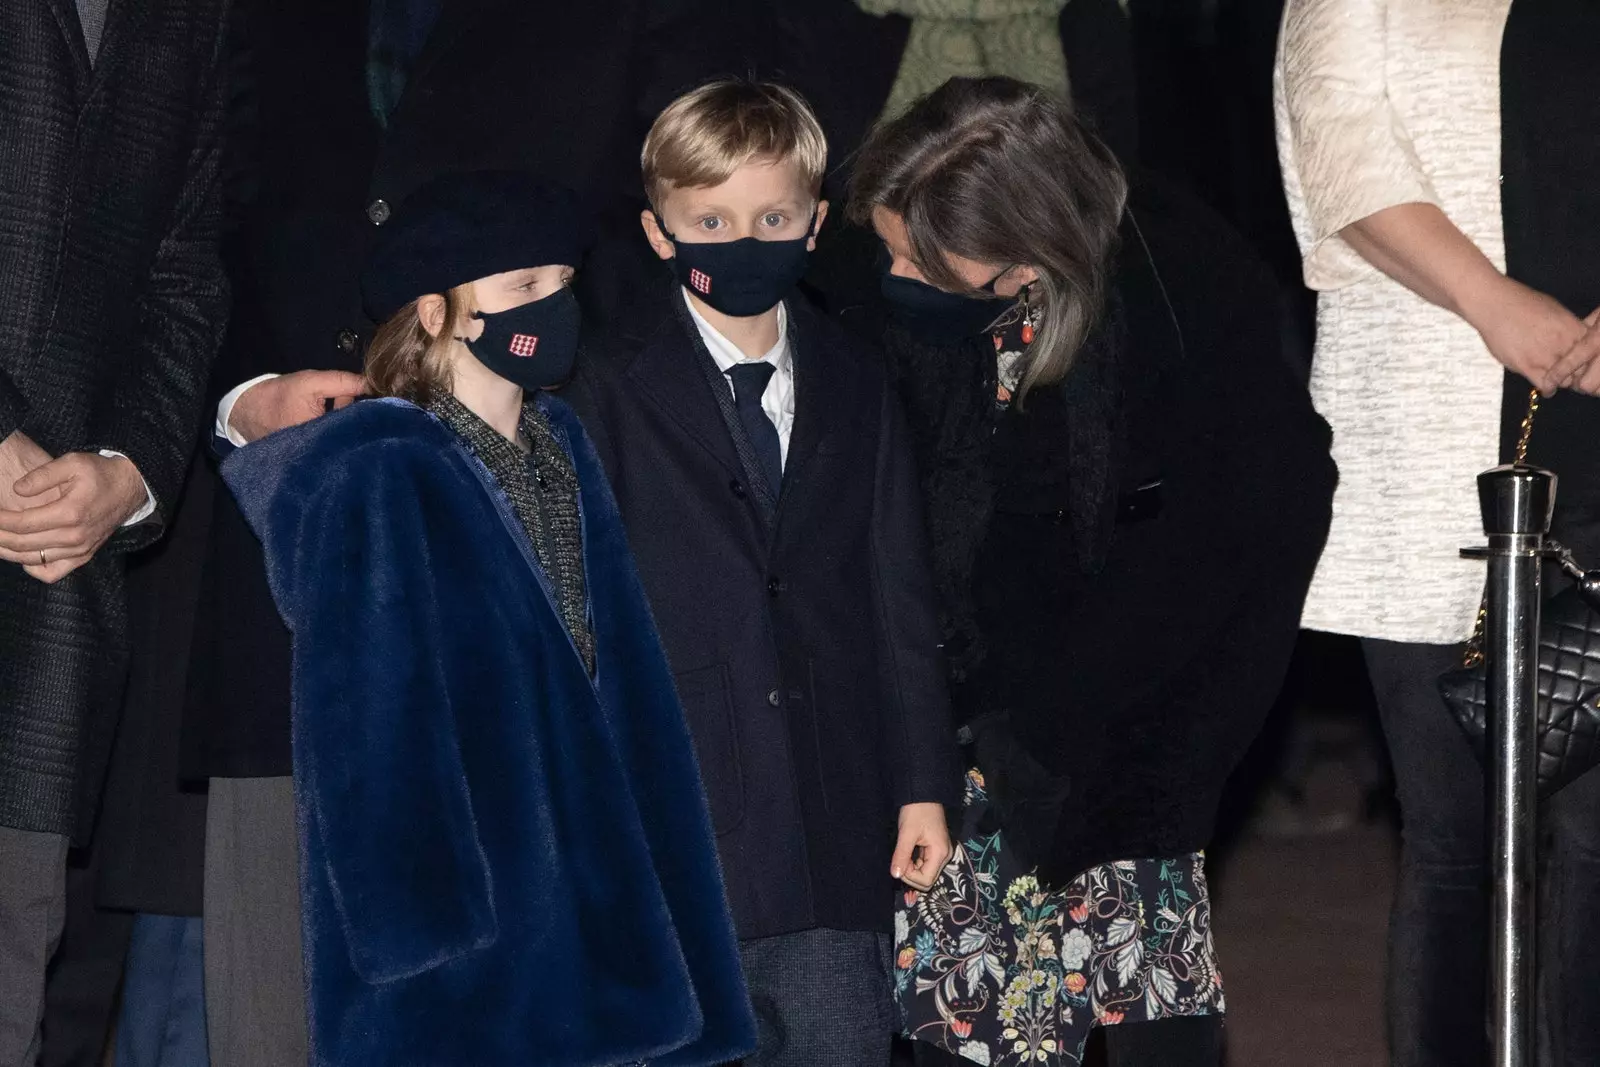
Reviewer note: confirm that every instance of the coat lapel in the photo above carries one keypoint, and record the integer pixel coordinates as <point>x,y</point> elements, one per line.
<point>513,527</point>
<point>124,19</point>
<point>455,18</point>
<point>66,13</point>
<point>814,378</point>
<point>665,374</point>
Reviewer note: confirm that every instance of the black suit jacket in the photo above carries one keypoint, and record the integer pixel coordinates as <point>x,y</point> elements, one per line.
<point>803,639</point>
<point>113,301</point>
<point>566,90</point>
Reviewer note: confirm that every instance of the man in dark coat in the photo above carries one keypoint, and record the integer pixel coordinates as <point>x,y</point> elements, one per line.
<point>110,119</point>
<point>342,109</point>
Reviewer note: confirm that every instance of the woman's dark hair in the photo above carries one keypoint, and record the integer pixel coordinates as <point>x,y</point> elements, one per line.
<point>1001,171</point>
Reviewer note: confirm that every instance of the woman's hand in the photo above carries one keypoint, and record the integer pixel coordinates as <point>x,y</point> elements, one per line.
<point>924,846</point>
<point>1418,246</point>
<point>1533,335</point>
<point>1579,369</point>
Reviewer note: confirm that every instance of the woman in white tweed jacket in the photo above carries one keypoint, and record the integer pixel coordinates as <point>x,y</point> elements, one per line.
<point>1424,180</point>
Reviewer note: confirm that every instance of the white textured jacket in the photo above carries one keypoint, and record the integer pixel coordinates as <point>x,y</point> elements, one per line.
<point>1380,103</point>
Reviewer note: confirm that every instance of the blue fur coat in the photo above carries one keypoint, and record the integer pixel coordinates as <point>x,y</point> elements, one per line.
<point>503,862</point>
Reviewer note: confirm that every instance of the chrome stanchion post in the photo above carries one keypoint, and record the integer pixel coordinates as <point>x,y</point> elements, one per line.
<point>1517,502</point>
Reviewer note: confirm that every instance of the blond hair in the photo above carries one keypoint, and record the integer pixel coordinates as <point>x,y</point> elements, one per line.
<point>406,361</point>
<point>705,135</point>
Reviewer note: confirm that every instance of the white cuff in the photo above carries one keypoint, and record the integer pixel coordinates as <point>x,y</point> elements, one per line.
<point>225,410</point>
<point>149,507</point>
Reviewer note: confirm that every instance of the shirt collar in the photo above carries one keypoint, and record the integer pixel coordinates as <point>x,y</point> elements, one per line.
<point>726,354</point>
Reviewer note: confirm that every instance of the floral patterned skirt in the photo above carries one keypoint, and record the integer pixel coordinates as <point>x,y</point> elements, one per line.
<point>1000,970</point>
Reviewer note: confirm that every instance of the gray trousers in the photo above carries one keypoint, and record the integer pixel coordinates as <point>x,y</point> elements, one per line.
<point>33,911</point>
<point>821,997</point>
<point>255,976</point>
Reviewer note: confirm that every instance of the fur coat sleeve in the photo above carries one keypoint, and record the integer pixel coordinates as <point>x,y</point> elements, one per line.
<point>349,556</point>
<point>504,858</point>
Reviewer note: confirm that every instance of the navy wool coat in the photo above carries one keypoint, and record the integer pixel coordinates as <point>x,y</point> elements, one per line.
<point>803,636</point>
<point>504,862</point>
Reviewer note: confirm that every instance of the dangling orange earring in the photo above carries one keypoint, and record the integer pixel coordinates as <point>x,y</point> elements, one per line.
<point>1027,317</point>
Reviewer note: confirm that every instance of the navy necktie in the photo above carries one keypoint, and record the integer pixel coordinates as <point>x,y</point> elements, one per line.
<point>749,383</point>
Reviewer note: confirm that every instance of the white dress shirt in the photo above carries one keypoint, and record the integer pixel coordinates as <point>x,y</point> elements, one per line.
<point>778,399</point>
<point>149,507</point>
<point>224,429</point>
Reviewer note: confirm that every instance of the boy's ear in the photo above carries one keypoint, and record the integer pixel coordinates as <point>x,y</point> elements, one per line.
<point>652,233</point>
<point>816,227</point>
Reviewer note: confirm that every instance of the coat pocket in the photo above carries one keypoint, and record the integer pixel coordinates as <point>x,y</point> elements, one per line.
<point>708,706</point>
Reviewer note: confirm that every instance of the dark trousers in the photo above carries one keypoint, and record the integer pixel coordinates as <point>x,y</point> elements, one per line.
<point>80,995</point>
<point>1438,942</point>
<point>821,997</point>
<point>33,906</point>
<point>254,974</point>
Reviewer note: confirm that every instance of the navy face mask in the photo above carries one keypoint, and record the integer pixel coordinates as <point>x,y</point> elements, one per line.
<point>935,315</point>
<point>744,277</point>
<point>534,345</point>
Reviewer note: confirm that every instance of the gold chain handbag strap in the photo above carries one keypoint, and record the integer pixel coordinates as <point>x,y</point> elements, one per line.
<point>1474,652</point>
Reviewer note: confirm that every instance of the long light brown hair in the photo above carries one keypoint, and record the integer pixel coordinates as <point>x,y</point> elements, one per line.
<point>1001,171</point>
<point>404,360</point>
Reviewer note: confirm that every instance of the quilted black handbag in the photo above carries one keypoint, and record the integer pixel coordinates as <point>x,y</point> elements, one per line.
<point>1568,681</point>
<point>1568,677</point>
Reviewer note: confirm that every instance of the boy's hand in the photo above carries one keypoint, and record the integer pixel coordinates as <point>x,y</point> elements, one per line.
<point>924,846</point>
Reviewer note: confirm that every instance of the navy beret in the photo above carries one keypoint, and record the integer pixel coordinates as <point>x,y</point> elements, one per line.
<point>461,227</point>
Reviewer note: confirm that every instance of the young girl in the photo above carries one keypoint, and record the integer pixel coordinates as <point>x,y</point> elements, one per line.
<point>506,855</point>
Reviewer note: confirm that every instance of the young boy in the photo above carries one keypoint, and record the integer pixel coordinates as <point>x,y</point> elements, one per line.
<point>770,497</point>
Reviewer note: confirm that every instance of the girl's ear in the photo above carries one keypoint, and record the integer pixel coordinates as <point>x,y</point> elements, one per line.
<point>822,215</point>
<point>430,312</point>
<point>652,233</point>
<point>1022,276</point>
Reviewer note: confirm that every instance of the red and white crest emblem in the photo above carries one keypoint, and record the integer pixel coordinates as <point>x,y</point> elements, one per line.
<point>523,344</point>
<point>700,281</point>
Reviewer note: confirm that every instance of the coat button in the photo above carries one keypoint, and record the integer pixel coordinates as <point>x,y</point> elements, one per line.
<point>736,487</point>
<point>346,340</point>
<point>378,212</point>
<point>774,698</point>
<point>775,586</point>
